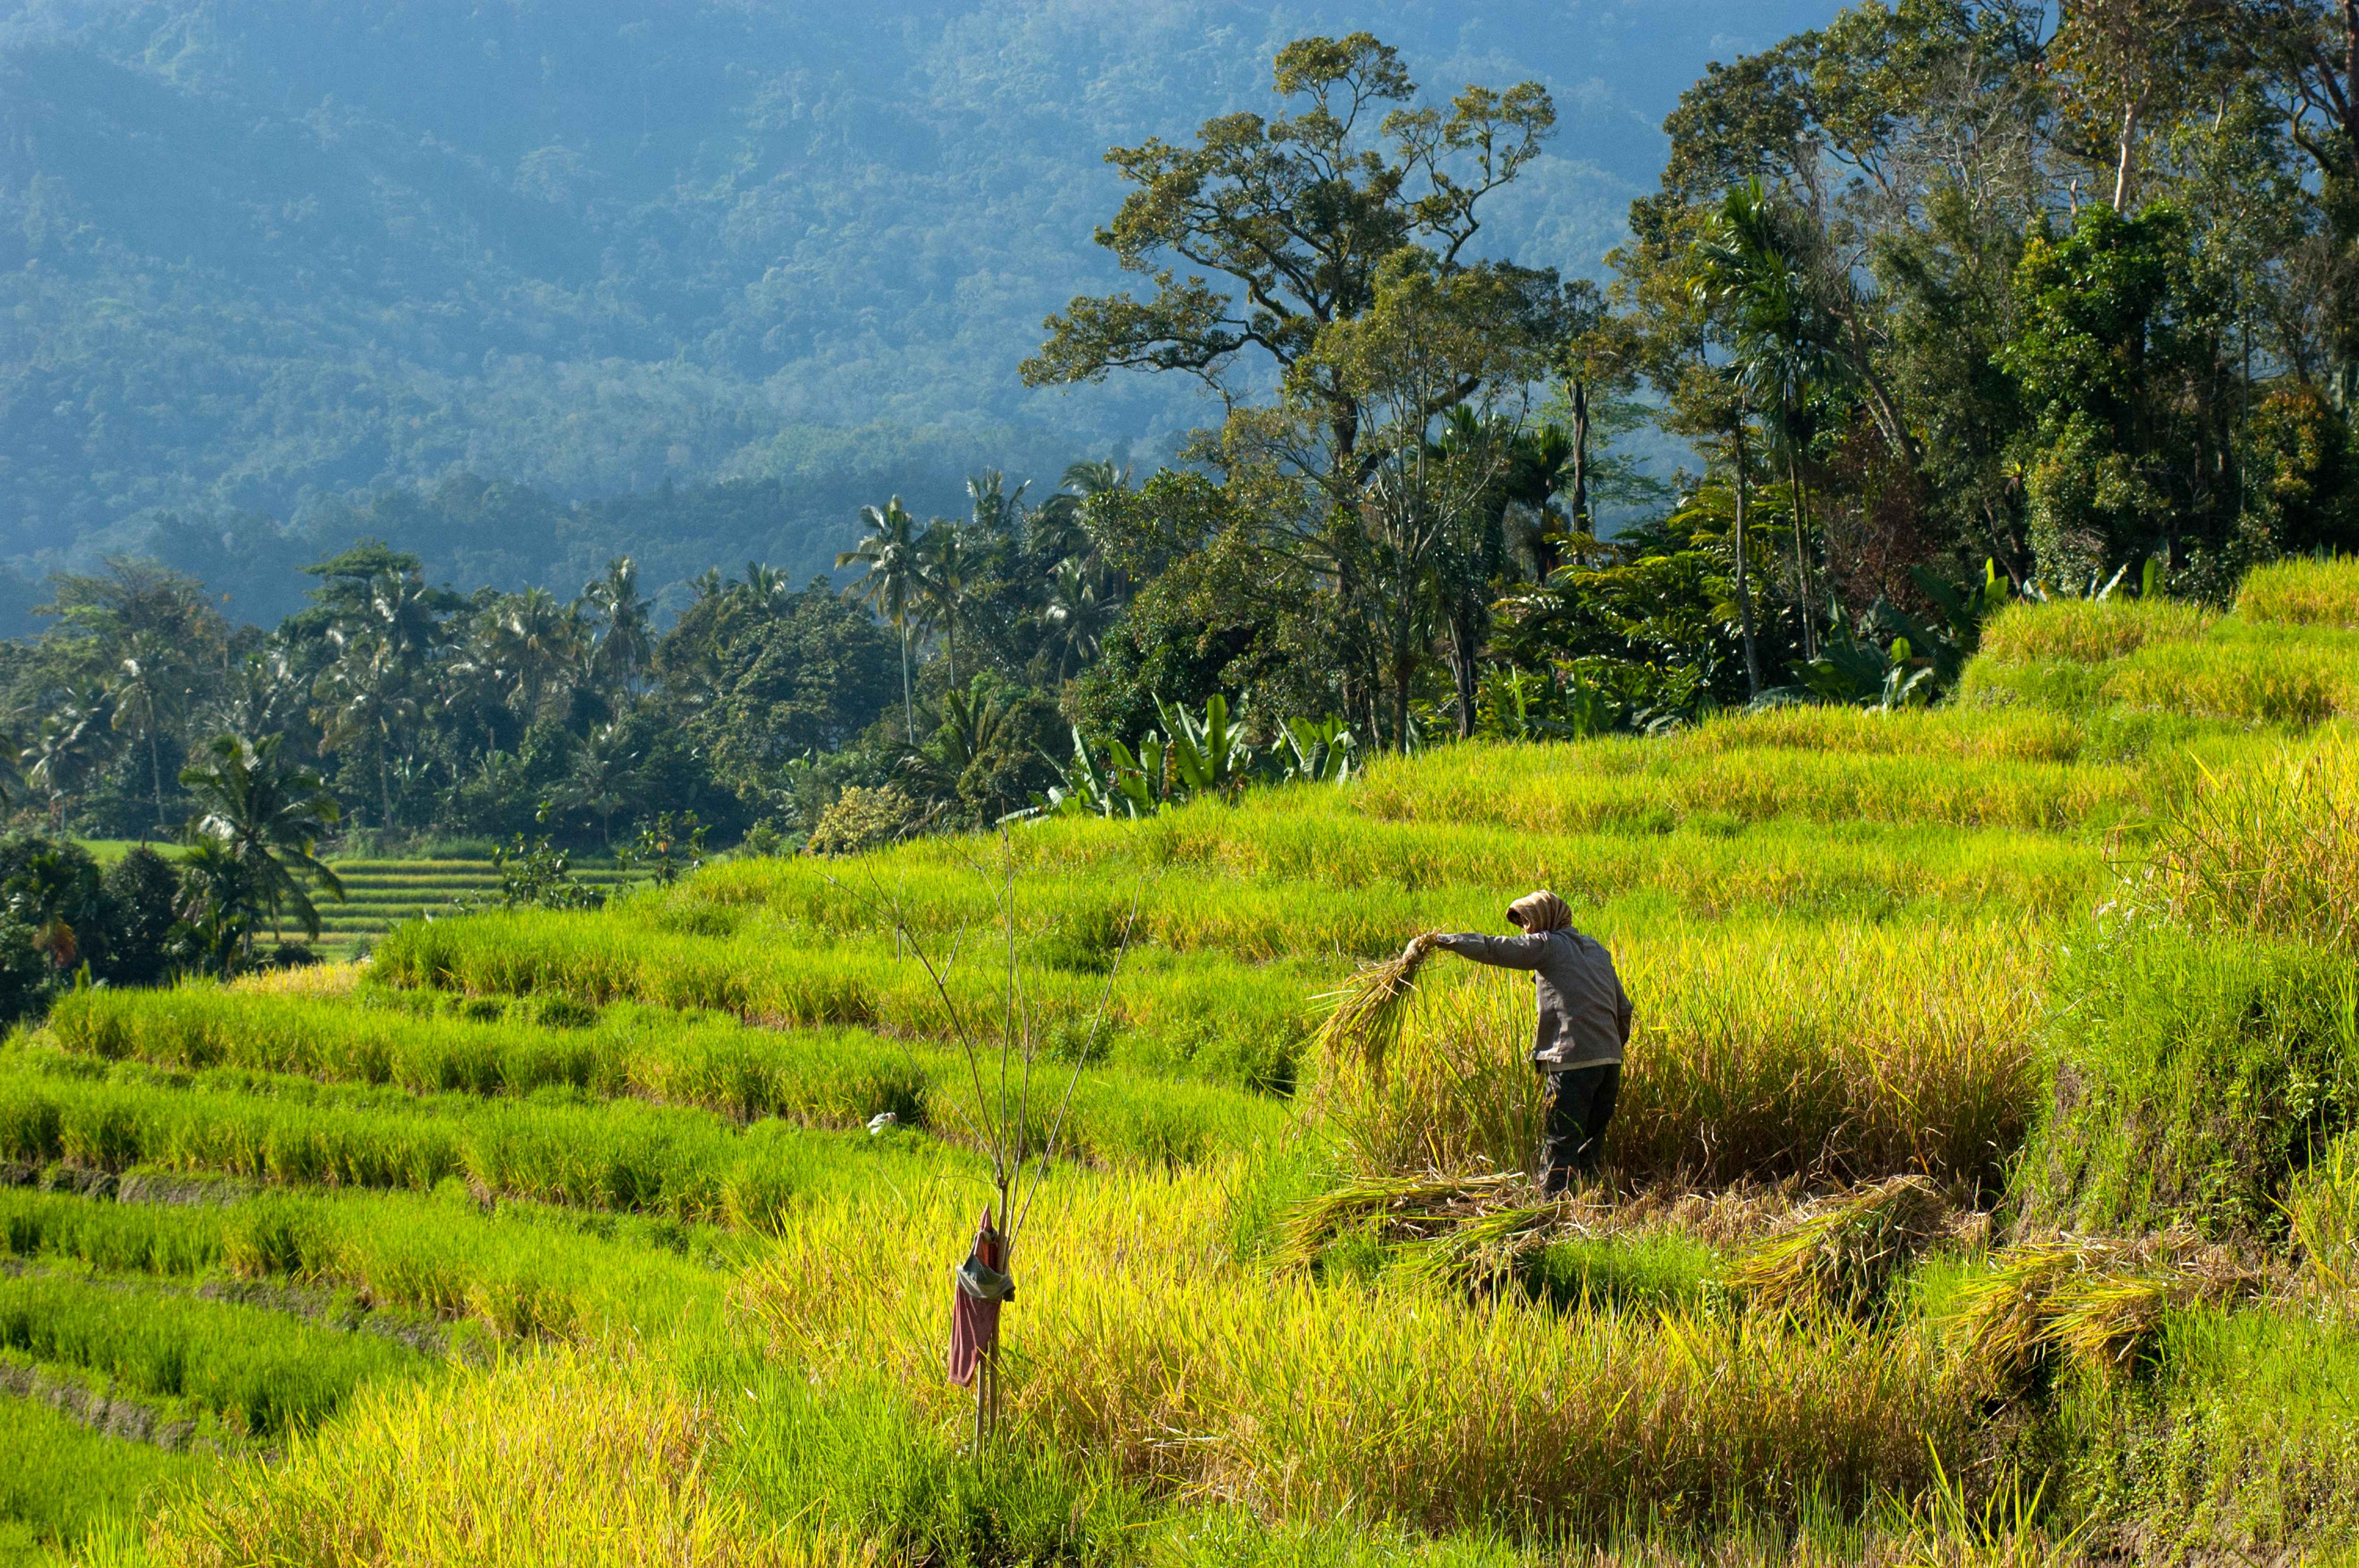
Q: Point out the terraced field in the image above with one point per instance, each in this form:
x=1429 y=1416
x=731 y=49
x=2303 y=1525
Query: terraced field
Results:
x=1983 y=1187
x=380 y=894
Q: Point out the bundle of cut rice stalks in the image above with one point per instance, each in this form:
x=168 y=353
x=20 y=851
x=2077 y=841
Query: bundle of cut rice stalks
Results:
x=1844 y=1258
x=1365 y=1023
x=1403 y=1209
x=2101 y=1305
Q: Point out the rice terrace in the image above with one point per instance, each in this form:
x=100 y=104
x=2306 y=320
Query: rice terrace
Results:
x=1980 y=1188
x=779 y=787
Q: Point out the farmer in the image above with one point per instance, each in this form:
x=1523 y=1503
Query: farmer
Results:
x=1585 y=1024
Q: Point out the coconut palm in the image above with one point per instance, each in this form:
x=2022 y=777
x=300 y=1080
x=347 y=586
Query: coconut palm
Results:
x=149 y=688
x=365 y=701
x=535 y=642
x=1751 y=261
x=1056 y=527
x=405 y=614
x=604 y=778
x=889 y=583
x=266 y=815
x=1078 y=614
x=946 y=570
x=74 y=740
x=626 y=643
x=263 y=695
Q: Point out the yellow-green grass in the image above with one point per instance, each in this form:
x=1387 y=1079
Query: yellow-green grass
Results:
x=1137 y=1341
x=1306 y=874
x=1177 y=1013
x=2267 y=846
x=565 y=1457
x=621 y=1155
x=381 y=893
x=836 y=1078
x=1835 y=1052
x=263 y=1372
x=1941 y=775
x=2089 y=630
x=2302 y=593
x=519 y=1270
x=60 y=1482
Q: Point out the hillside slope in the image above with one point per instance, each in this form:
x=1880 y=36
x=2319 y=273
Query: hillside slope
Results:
x=257 y=253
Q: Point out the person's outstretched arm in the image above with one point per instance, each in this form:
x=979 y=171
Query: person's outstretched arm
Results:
x=1523 y=952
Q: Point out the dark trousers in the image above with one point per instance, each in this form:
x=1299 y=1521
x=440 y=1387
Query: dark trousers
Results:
x=1581 y=1104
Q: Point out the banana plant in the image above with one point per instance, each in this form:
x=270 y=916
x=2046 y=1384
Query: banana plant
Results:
x=1209 y=758
x=1316 y=753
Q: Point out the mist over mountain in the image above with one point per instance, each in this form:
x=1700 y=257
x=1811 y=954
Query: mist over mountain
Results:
x=263 y=261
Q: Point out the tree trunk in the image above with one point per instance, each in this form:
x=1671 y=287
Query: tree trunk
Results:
x=2122 y=169
x=1744 y=594
x=155 y=771
x=909 y=709
x=1463 y=647
x=1581 y=457
x=1801 y=557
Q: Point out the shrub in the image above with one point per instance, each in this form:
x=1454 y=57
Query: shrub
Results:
x=862 y=818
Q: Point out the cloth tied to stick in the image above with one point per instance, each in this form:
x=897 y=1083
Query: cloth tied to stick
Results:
x=981 y=1286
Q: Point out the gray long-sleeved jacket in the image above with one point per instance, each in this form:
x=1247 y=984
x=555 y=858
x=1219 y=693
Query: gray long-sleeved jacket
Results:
x=1585 y=1016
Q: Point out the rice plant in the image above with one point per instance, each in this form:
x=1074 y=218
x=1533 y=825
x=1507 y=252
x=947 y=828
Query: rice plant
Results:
x=2088 y=630
x=62 y=1483
x=264 y=1372
x=2268 y=846
x=2302 y=593
x=1393 y=1401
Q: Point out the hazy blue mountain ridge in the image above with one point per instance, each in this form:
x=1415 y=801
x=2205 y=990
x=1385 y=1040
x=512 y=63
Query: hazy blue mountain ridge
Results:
x=262 y=258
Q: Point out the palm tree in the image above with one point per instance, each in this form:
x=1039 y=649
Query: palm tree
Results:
x=402 y=611
x=73 y=741
x=265 y=814
x=889 y=583
x=625 y=644
x=535 y=641
x=945 y=565
x=604 y=778
x=263 y=695
x=766 y=587
x=1078 y=614
x=148 y=686
x=365 y=701
x=1057 y=526
x=1752 y=263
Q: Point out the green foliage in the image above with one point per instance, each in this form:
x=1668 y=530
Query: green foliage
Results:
x=61 y=1483
x=2116 y=324
x=2194 y=1078
x=263 y=1372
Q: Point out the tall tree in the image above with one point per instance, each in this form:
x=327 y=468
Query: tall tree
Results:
x=264 y=815
x=1750 y=262
x=150 y=690
x=1285 y=223
x=890 y=581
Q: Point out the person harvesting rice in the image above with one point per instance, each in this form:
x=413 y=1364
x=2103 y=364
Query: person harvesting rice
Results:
x=1584 y=1022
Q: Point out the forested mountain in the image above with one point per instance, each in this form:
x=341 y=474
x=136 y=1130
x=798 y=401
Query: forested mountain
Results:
x=258 y=257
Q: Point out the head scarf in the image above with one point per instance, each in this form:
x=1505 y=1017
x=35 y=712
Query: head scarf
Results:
x=1542 y=910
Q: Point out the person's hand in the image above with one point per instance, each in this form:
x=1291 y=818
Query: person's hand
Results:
x=1418 y=946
